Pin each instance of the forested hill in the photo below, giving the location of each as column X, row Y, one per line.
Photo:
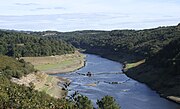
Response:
column 128, row 45
column 161, row 71
column 159, row 46
column 18, row 44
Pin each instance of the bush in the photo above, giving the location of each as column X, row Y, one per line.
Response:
column 107, row 102
column 84, row 103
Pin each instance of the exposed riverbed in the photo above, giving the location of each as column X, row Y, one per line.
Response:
column 107, row 79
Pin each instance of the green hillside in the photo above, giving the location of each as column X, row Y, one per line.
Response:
column 121, row 45
column 18, row 44
column 10, row 67
column 162, row 71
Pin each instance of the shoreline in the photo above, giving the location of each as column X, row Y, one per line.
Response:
column 174, row 99
column 55, row 86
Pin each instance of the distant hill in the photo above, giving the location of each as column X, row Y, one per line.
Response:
column 129, row 45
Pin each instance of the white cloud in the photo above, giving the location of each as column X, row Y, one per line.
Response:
column 66, row 15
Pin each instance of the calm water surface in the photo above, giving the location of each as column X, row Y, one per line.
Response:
column 129, row 93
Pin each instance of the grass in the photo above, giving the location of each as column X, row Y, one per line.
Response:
column 8, row 61
column 44, row 67
column 135, row 64
column 57, row 64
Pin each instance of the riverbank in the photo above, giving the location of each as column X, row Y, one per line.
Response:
column 137, row 68
column 105, row 81
column 51, row 85
column 57, row 64
column 149, row 75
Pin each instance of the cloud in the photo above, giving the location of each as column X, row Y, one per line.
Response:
column 48, row 8
column 67, row 15
column 159, row 20
column 26, row 4
column 84, row 21
column 63, row 8
column 42, row 8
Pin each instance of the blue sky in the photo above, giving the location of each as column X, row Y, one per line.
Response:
column 71, row 15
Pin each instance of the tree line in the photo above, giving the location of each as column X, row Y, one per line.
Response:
column 139, row 43
column 18, row 44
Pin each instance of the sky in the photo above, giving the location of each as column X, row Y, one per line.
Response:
column 71, row 15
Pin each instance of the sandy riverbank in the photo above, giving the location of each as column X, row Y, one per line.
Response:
column 49, row 84
column 174, row 98
column 52, row 85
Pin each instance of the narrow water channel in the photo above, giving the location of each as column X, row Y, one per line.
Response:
column 107, row 79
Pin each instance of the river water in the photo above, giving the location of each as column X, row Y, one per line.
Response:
column 109, row 80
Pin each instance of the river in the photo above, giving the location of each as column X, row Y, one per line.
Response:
column 109, row 80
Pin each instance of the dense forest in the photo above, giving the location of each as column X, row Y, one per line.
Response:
column 10, row 67
column 18, row 44
column 159, row 46
column 126, row 45
column 161, row 71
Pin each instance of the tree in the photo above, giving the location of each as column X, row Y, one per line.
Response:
column 84, row 103
column 107, row 102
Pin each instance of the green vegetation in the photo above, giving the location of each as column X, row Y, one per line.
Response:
column 57, row 64
column 15, row 96
column 158, row 46
column 62, row 64
column 122, row 45
column 10, row 67
column 135, row 64
column 84, row 103
column 21, row 97
column 107, row 102
column 161, row 71
column 21, row 45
